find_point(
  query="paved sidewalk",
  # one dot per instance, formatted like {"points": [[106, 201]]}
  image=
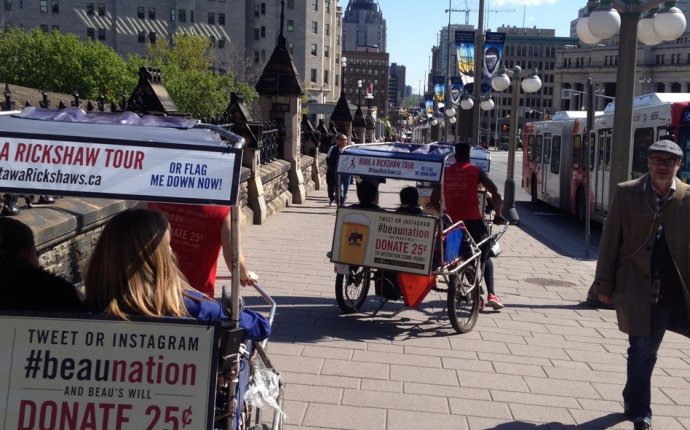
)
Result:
{"points": [[546, 361]]}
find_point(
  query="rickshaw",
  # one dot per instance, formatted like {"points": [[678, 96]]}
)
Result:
{"points": [[70, 152], [406, 256]]}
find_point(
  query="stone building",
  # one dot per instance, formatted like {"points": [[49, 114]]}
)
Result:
{"points": [[363, 25], [244, 32]]}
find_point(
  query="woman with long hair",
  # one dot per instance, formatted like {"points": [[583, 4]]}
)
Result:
{"points": [[133, 271]]}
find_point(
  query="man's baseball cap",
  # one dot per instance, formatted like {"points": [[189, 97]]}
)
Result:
{"points": [[667, 146]]}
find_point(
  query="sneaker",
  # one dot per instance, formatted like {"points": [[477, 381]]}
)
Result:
{"points": [[494, 302], [331, 203]]}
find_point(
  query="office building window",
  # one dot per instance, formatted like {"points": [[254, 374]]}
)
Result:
{"points": [[263, 31], [326, 52], [140, 12], [211, 18], [257, 34], [182, 15], [101, 34], [141, 36], [56, 27], [100, 9], [8, 5], [173, 15], [257, 10], [152, 14], [315, 5], [325, 76], [191, 16], [290, 4], [314, 49], [263, 8], [291, 48], [43, 6], [313, 75], [327, 6], [55, 6], [314, 27], [256, 56], [221, 19], [327, 29], [221, 43], [290, 25], [44, 27], [263, 55], [91, 33], [152, 37]]}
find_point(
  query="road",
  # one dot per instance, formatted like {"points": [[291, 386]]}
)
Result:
{"points": [[555, 228]]}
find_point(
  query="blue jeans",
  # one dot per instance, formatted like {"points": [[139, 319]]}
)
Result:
{"points": [[344, 185], [642, 354]]}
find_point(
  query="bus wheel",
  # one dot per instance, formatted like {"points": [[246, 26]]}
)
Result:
{"points": [[580, 206], [533, 189]]}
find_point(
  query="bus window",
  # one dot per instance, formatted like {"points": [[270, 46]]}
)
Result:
{"points": [[530, 147], [684, 143], [607, 154], [600, 149], [577, 151], [556, 154], [642, 140], [547, 148], [537, 148]]}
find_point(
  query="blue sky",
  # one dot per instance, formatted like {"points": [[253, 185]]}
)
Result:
{"points": [[413, 25]]}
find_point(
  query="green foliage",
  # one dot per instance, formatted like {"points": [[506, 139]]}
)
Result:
{"points": [[62, 63]]}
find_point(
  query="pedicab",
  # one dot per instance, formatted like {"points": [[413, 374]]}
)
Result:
{"points": [[76, 371], [406, 256]]}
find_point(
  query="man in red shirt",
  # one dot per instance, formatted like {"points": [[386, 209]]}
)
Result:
{"points": [[198, 232], [460, 185]]}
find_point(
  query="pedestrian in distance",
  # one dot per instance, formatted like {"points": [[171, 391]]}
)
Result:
{"points": [[642, 268], [332, 158]]}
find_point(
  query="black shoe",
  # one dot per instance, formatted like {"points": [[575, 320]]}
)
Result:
{"points": [[642, 424]]}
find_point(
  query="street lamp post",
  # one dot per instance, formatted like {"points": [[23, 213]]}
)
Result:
{"points": [[447, 102], [605, 18], [530, 84]]}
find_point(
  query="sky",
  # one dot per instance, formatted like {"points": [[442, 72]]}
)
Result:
{"points": [[413, 25]]}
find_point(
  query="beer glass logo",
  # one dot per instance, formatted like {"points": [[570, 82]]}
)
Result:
{"points": [[353, 239]]}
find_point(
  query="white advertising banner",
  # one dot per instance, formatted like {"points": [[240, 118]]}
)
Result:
{"points": [[156, 172], [396, 168], [74, 374], [385, 240]]}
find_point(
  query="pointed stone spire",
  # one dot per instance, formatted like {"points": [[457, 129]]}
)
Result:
{"points": [[280, 75]]}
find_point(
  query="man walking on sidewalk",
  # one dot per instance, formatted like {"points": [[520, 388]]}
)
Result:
{"points": [[643, 268]]}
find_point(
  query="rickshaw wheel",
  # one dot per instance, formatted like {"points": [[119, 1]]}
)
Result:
{"points": [[351, 290], [464, 297]]}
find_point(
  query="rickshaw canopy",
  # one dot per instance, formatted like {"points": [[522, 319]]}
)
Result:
{"points": [[411, 161], [117, 155]]}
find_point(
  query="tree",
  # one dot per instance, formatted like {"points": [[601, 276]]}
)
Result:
{"points": [[190, 78], [62, 63]]}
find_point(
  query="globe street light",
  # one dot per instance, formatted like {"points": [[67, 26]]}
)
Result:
{"points": [[530, 84], [605, 19]]}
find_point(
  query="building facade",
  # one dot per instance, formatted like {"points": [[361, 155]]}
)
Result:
{"points": [[363, 25], [396, 85], [367, 73]]}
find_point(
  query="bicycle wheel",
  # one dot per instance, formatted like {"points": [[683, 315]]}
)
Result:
{"points": [[351, 290], [464, 299]]}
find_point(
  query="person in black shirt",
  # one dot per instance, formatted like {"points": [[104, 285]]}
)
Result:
{"points": [[25, 286]]}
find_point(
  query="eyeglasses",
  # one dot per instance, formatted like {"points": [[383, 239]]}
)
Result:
{"points": [[662, 161]]}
